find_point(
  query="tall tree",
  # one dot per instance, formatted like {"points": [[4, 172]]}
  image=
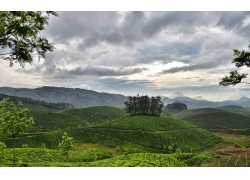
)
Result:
{"points": [[19, 34], [242, 59], [13, 121]]}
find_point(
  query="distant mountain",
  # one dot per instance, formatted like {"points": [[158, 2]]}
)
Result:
{"points": [[77, 97], [194, 103], [86, 98], [242, 100]]}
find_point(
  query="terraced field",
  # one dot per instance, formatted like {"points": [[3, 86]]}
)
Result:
{"points": [[132, 134], [38, 157], [154, 134]]}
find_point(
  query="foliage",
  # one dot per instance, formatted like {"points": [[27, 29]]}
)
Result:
{"points": [[13, 120], [149, 134], [37, 157], [33, 102], [174, 108], [19, 33], [25, 146], [178, 106], [96, 113], [216, 119], [2, 147], [46, 120], [242, 59], [66, 144], [143, 105]]}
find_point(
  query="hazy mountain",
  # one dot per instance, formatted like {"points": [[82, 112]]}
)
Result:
{"points": [[77, 97], [84, 98]]}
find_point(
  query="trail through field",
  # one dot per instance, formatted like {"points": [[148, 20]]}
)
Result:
{"points": [[238, 157], [120, 140], [228, 160], [140, 130]]}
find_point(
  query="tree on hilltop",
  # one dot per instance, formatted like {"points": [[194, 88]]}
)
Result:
{"points": [[242, 59], [19, 34], [143, 105]]}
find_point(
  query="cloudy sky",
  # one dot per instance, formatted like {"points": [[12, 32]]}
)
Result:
{"points": [[174, 53]]}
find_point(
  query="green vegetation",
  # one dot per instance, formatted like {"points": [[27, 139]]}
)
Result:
{"points": [[143, 105], [151, 133], [47, 120], [2, 147], [217, 120], [237, 109], [13, 121], [36, 157], [96, 114], [19, 32], [100, 140], [241, 59], [66, 144], [174, 108]]}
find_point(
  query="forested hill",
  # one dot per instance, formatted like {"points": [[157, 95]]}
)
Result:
{"points": [[28, 102], [75, 96]]}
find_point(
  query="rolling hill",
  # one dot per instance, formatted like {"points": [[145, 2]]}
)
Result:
{"points": [[132, 134], [47, 120], [217, 120], [96, 114], [149, 134]]}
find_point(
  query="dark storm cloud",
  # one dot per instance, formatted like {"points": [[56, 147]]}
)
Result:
{"points": [[169, 52], [95, 27], [231, 20], [57, 72], [125, 29], [103, 71], [78, 24]]}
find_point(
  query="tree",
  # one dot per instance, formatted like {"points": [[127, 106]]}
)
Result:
{"points": [[66, 144], [2, 147], [13, 121], [19, 33], [144, 105], [242, 59]]}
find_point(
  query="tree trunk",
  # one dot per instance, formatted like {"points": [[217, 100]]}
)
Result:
{"points": [[14, 151]]}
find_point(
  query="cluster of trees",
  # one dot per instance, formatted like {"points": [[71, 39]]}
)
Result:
{"points": [[177, 106], [15, 99], [144, 105]]}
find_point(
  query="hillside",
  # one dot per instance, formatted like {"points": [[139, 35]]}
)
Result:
{"points": [[75, 96], [37, 104], [132, 134], [217, 120], [41, 157], [96, 114], [47, 120], [149, 134]]}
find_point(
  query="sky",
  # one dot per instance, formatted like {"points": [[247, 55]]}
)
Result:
{"points": [[166, 53]]}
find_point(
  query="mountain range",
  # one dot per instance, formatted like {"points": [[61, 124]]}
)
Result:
{"points": [[85, 98]]}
